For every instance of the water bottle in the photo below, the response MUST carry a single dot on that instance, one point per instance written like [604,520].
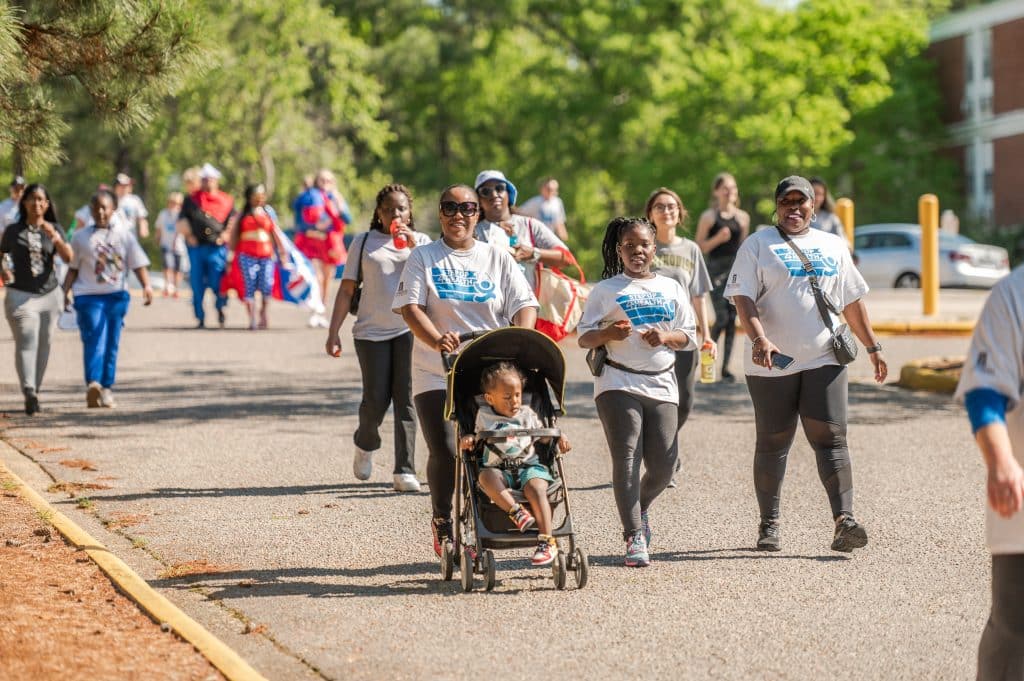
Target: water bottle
[513,240]
[398,238]
[707,363]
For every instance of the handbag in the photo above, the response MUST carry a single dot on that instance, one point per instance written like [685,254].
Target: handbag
[357,295]
[597,358]
[844,345]
[560,298]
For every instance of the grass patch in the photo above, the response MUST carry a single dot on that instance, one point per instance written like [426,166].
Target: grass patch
[120,520]
[139,543]
[45,517]
[73,488]
[8,485]
[195,567]
[81,464]
[85,503]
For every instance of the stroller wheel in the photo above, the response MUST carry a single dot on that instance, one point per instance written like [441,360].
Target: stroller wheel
[558,571]
[466,569]
[582,567]
[489,567]
[447,561]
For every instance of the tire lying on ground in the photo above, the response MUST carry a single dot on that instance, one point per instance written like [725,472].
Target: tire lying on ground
[935,374]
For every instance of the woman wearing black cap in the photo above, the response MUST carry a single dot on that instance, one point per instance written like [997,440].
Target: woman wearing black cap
[793,370]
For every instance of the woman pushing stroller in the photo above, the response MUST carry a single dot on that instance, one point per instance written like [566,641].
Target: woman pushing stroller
[512,463]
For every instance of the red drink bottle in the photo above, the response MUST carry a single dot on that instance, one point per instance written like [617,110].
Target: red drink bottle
[399,239]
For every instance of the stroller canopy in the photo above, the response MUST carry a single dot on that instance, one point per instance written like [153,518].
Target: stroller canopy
[531,350]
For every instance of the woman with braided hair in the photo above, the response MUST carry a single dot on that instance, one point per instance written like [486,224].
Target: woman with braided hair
[641,319]
[382,340]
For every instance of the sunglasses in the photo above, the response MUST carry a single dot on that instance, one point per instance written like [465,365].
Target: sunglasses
[467,208]
[486,192]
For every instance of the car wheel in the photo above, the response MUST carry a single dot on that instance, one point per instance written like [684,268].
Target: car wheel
[908,280]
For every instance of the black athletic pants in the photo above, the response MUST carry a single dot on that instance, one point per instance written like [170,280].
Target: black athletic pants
[440,436]
[1001,653]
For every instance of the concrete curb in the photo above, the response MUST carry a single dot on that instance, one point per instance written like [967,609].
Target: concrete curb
[230,664]
[919,375]
[896,328]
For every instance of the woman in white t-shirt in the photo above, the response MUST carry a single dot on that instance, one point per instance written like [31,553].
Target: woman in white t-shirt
[641,319]
[381,338]
[773,295]
[102,256]
[825,217]
[453,286]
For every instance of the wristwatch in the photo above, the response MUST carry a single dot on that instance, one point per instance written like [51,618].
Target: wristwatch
[535,256]
[872,349]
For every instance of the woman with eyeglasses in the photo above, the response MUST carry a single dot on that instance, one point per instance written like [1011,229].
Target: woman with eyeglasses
[679,258]
[793,372]
[720,231]
[382,341]
[29,247]
[453,286]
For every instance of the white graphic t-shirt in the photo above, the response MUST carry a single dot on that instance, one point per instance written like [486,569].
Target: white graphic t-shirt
[513,447]
[771,274]
[528,231]
[479,289]
[996,361]
[382,266]
[103,258]
[682,260]
[655,303]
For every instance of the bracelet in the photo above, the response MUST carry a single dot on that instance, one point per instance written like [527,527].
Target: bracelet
[872,349]
[754,342]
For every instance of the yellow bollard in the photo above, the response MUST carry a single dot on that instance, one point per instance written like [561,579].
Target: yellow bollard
[844,209]
[928,217]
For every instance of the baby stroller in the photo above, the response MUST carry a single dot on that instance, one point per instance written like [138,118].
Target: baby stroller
[480,526]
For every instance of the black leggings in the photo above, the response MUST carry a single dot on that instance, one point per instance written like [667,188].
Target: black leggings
[439,434]
[725,314]
[818,397]
[686,377]
[1001,653]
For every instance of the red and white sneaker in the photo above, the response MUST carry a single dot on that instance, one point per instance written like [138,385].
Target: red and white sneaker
[441,528]
[546,551]
[521,517]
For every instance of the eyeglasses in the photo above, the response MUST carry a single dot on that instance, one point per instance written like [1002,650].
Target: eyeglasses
[793,203]
[467,208]
[665,207]
[499,188]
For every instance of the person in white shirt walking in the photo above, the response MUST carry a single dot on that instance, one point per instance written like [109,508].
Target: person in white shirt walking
[548,208]
[990,388]
[130,207]
[9,212]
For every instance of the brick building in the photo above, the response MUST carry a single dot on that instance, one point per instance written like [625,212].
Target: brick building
[980,57]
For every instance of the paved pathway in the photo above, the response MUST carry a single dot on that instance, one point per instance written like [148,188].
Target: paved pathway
[233,448]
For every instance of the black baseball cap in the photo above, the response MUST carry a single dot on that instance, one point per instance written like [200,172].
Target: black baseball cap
[794,183]
[18,181]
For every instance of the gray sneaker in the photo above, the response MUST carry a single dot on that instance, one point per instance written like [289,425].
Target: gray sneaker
[849,535]
[769,536]
[362,464]
[406,482]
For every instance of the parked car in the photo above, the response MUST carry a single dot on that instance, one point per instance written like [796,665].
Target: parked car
[890,256]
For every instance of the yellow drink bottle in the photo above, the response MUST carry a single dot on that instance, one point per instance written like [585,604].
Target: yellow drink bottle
[707,363]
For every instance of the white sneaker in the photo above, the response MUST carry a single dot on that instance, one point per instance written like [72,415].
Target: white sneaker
[107,398]
[318,321]
[362,464]
[406,482]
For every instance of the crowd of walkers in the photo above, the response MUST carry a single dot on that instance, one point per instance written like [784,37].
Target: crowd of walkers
[793,287]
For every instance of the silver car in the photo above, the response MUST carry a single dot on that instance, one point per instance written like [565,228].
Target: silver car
[890,256]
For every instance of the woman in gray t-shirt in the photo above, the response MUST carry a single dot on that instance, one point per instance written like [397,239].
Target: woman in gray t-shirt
[382,340]
[679,258]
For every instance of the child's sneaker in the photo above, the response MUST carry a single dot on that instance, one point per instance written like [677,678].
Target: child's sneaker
[645,520]
[546,551]
[441,528]
[521,517]
[636,550]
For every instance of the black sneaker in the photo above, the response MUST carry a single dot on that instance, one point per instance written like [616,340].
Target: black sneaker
[31,405]
[441,528]
[850,534]
[220,317]
[728,377]
[768,536]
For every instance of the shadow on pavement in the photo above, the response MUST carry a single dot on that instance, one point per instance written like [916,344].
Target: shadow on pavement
[363,490]
[742,553]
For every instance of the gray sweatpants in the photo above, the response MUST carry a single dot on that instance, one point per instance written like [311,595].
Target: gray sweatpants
[1001,653]
[387,380]
[639,430]
[33,319]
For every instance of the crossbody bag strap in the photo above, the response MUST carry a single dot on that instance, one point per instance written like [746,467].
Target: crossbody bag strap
[819,297]
[630,370]
[359,265]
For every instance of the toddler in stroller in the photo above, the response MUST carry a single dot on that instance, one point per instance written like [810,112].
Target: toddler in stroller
[512,463]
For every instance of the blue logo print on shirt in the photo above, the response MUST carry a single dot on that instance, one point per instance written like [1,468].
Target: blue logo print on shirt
[647,308]
[824,266]
[462,285]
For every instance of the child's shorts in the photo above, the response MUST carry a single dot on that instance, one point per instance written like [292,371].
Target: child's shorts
[519,478]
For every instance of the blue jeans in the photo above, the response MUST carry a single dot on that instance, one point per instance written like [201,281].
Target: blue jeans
[100,319]
[208,264]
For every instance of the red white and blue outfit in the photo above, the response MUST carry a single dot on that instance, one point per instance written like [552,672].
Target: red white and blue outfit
[320,220]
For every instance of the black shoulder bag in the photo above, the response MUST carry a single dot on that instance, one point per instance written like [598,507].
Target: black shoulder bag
[844,345]
[353,307]
[598,357]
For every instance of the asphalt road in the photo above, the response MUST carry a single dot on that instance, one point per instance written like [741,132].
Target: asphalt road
[234,448]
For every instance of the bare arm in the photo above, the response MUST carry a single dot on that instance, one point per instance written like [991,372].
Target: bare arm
[707,219]
[147,291]
[763,347]
[143,228]
[69,280]
[342,305]
[184,228]
[1005,477]
[856,314]
[233,232]
[595,338]
[525,318]
[423,328]
[743,218]
[559,229]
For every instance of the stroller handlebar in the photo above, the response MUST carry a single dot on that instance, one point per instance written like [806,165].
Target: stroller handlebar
[504,434]
[448,359]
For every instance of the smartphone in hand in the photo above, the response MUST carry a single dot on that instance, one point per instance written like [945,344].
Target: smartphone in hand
[781,361]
